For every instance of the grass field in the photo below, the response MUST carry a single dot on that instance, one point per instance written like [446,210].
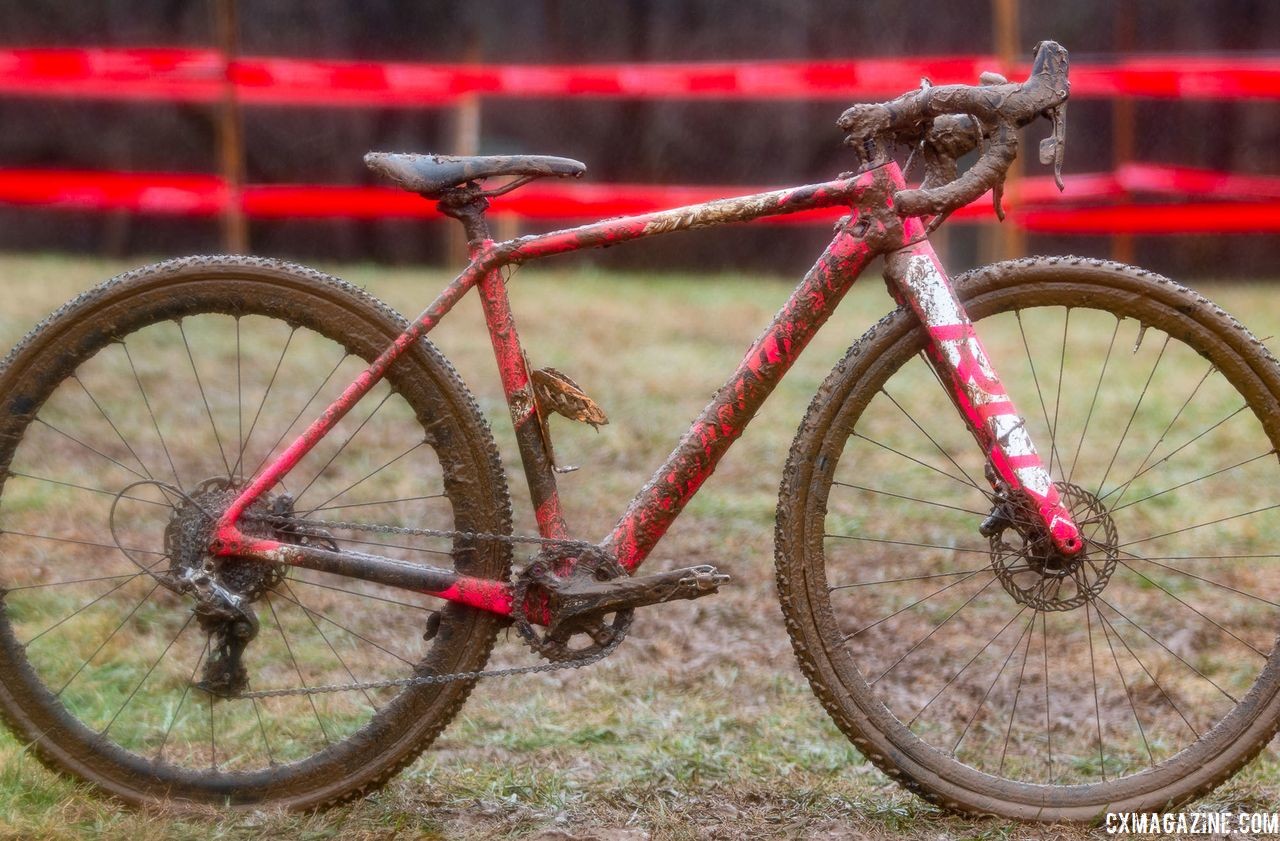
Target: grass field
[701,725]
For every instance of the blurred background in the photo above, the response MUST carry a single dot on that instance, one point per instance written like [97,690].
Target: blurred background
[177,126]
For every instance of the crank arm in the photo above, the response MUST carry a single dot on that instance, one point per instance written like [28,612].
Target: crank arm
[483,593]
[577,597]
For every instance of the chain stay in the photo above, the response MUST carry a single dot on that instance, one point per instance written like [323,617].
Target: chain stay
[425,680]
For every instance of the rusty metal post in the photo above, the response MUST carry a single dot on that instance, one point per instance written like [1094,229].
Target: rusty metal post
[1009,239]
[235,227]
[1123,128]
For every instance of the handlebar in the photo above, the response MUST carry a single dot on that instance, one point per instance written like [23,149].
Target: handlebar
[947,122]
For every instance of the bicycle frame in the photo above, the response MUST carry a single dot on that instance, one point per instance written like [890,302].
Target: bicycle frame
[872,229]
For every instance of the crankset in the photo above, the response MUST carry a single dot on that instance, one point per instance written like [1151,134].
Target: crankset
[596,599]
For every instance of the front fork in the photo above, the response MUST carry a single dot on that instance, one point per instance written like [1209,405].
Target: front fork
[918,279]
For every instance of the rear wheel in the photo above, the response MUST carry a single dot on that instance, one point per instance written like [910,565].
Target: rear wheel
[143,405]
[990,675]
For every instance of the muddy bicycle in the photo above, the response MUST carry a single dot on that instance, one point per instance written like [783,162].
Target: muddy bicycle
[257,543]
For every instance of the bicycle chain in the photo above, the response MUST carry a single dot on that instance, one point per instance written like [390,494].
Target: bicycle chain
[423,680]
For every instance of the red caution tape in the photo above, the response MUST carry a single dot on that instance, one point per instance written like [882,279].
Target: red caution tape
[200,75]
[1207,218]
[1038,206]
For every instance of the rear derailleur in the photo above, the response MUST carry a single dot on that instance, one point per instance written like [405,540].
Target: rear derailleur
[226,587]
[578,590]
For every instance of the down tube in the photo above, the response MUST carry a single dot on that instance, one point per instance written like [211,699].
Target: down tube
[662,499]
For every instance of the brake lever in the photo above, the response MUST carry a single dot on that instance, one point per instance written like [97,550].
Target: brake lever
[1054,146]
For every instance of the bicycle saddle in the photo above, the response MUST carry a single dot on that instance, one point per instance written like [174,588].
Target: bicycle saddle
[432,175]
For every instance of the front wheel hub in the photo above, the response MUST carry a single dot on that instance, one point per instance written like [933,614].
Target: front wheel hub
[1035,574]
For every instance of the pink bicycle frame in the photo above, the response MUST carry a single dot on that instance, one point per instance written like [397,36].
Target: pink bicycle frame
[872,229]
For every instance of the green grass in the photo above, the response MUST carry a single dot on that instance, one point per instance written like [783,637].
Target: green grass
[701,725]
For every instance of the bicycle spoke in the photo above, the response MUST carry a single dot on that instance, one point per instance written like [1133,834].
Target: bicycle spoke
[1017,693]
[336,655]
[1119,488]
[1181,485]
[1200,525]
[79,542]
[97,599]
[910,498]
[932,440]
[966,666]
[366,478]
[1202,578]
[1192,608]
[150,669]
[301,409]
[112,424]
[205,400]
[383,545]
[239,405]
[275,372]
[929,635]
[379,502]
[342,627]
[986,552]
[423,608]
[1128,694]
[832,589]
[1173,653]
[1048,731]
[1093,674]
[1035,380]
[186,690]
[1057,400]
[15,474]
[257,713]
[1097,389]
[926,465]
[1164,433]
[311,699]
[72,581]
[155,423]
[908,607]
[93,450]
[1017,643]
[1106,623]
[213,744]
[1129,423]
[106,640]
[343,446]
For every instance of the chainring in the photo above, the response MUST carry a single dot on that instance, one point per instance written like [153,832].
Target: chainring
[555,643]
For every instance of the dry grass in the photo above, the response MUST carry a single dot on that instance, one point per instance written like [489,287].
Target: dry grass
[701,725]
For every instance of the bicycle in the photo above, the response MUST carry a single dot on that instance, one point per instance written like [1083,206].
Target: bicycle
[187,616]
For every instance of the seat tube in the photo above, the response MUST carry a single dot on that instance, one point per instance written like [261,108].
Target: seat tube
[916,275]
[513,368]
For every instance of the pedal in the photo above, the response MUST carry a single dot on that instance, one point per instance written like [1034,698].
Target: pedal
[702,580]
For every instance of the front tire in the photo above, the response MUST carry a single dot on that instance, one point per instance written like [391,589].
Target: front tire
[983,676]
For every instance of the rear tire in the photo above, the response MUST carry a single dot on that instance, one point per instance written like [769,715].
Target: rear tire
[128,719]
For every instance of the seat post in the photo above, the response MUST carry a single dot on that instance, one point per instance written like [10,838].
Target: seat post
[467,205]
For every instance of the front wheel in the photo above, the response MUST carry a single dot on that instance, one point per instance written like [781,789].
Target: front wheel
[128,421]
[987,674]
